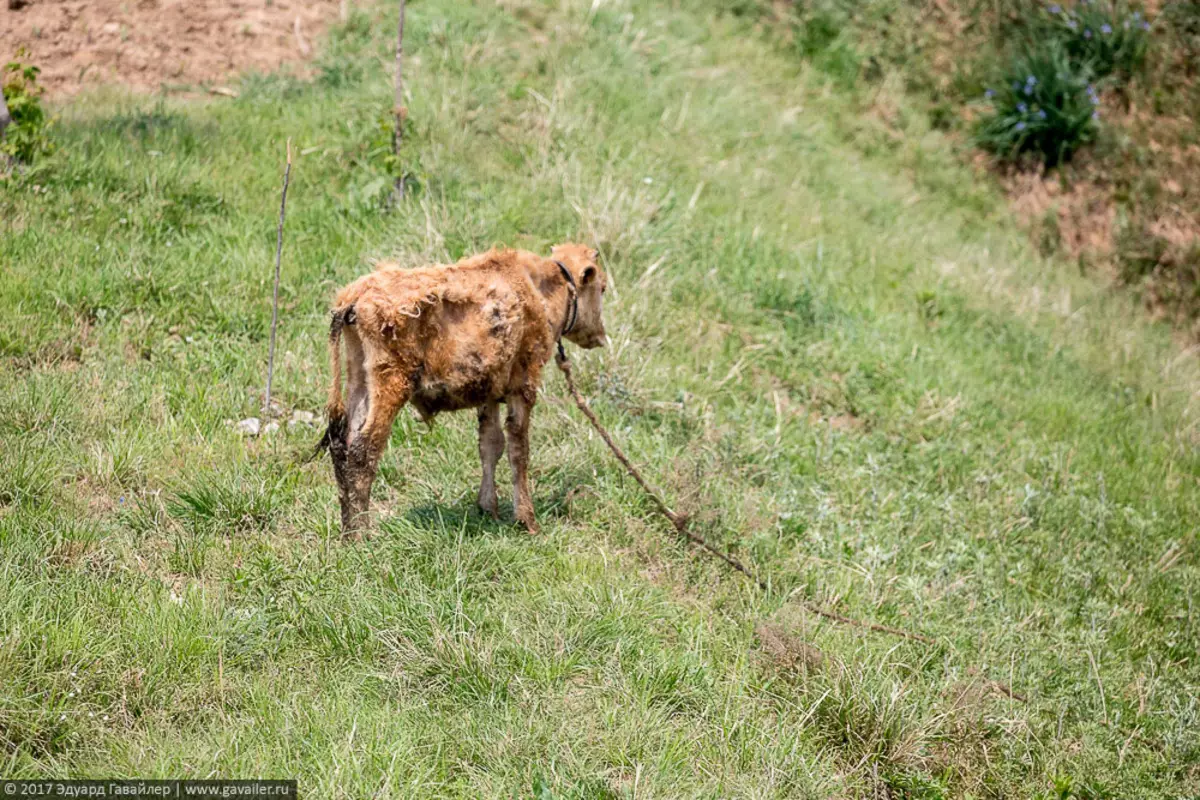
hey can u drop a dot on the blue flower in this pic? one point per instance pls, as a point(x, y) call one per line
point(1106, 29)
point(1072, 24)
point(1136, 15)
point(1056, 9)
point(1020, 126)
point(1145, 26)
point(990, 93)
point(1096, 115)
point(1041, 113)
point(1028, 89)
point(1087, 33)
point(1022, 107)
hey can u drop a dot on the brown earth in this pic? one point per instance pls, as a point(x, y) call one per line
point(146, 44)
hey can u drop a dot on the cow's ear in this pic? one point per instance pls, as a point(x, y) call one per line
point(589, 275)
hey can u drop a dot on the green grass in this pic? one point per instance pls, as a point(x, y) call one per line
point(829, 344)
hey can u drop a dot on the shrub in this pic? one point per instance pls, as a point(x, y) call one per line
point(26, 137)
point(1106, 36)
point(1044, 104)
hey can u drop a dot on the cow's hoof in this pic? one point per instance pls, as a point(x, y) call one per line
point(530, 526)
point(492, 509)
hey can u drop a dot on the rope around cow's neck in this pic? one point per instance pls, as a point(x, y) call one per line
point(680, 521)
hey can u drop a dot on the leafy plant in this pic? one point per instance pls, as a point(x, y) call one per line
point(1044, 104)
point(1107, 36)
point(26, 138)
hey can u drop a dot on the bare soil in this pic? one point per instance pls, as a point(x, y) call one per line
point(151, 44)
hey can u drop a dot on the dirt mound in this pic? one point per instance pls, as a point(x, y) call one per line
point(148, 43)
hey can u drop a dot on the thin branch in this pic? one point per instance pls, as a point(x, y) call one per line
point(5, 117)
point(399, 112)
point(287, 174)
point(680, 521)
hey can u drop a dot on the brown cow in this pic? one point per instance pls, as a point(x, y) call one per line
point(444, 338)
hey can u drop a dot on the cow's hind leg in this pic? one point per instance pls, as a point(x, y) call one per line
point(349, 426)
point(517, 425)
point(491, 447)
point(387, 394)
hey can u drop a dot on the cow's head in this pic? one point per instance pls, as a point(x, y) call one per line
point(590, 283)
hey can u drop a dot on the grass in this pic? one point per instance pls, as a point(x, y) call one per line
point(829, 343)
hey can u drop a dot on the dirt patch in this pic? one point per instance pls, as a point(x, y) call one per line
point(146, 44)
point(1081, 216)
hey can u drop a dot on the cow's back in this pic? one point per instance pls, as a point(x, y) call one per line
point(464, 334)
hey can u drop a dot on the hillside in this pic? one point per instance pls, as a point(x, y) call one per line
point(829, 342)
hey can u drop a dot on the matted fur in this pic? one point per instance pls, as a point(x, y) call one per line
point(449, 337)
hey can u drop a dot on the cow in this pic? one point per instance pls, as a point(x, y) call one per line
point(473, 334)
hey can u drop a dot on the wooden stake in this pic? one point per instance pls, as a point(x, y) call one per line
point(399, 112)
point(287, 174)
point(5, 117)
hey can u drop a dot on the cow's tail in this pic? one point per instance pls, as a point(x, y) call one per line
point(335, 407)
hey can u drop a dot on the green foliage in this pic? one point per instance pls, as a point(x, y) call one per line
point(1043, 103)
point(1104, 36)
point(27, 138)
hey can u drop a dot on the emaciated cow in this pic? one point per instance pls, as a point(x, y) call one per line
point(444, 338)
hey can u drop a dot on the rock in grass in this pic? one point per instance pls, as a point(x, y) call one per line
point(251, 426)
point(302, 418)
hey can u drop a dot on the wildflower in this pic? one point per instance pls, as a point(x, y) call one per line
point(1056, 9)
point(990, 93)
point(1020, 126)
point(1028, 89)
point(1022, 107)
point(1072, 24)
point(1095, 115)
point(1041, 113)
point(1106, 29)
point(1087, 33)
point(1145, 26)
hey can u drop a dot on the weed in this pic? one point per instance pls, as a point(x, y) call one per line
point(27, 138)
point(1106, 37)
point(1043, 104)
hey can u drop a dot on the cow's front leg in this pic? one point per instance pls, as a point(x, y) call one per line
point(491, 446)
point(517, 426)
point(388, 393)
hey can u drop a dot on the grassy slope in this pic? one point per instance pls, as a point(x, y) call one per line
point(844, 360)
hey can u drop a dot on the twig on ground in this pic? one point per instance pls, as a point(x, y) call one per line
point(301, 42)
point(680, 521)
point(1005, 689)
point(287, 174)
